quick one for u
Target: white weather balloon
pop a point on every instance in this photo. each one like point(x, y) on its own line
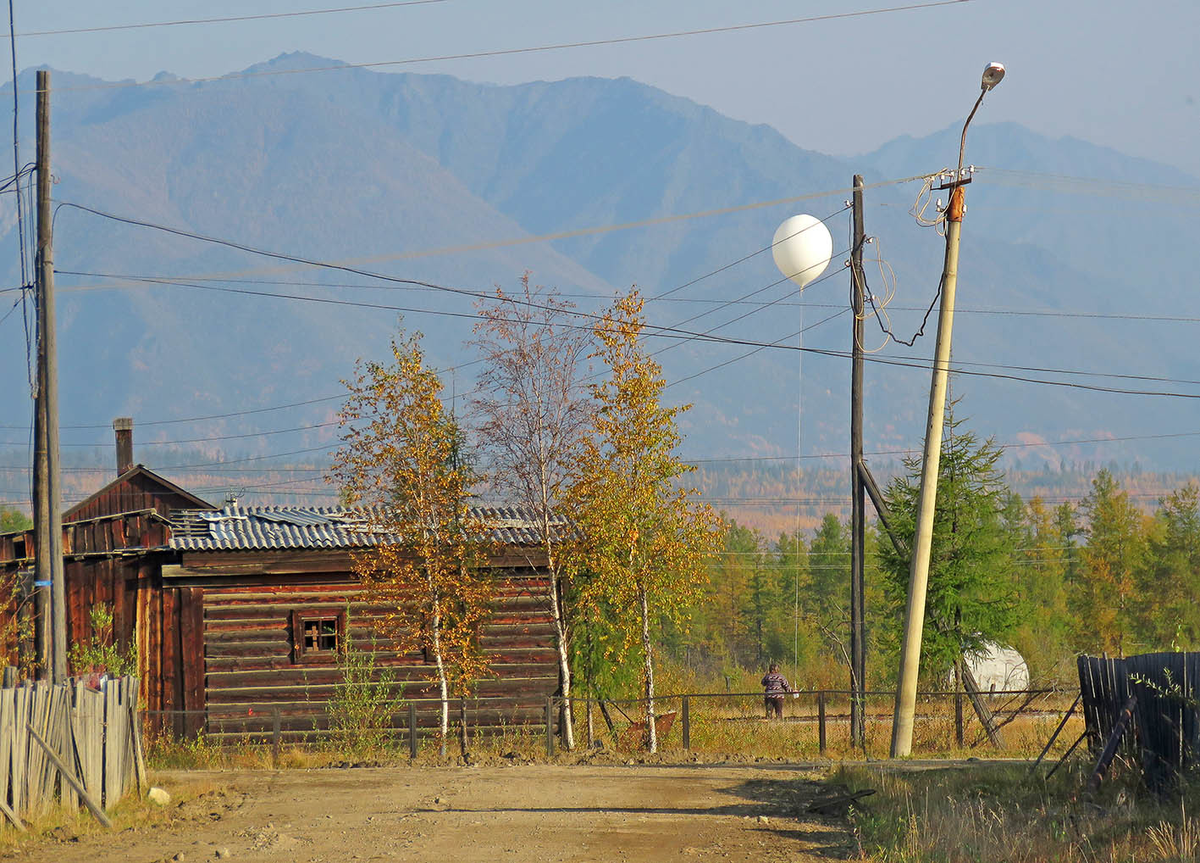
point(802, 248)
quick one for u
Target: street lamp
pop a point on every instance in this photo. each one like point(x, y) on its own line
point(918, 575)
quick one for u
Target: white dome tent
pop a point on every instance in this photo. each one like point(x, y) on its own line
point(997, 669)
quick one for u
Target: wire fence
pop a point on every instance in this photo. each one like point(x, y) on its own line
point(806, 725)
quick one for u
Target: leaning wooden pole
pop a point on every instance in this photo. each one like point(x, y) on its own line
point(48, 536)
point(858, 504)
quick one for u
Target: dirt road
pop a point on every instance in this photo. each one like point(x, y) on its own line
point(535, 813)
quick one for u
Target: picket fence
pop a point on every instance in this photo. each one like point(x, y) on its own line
point(90, 727)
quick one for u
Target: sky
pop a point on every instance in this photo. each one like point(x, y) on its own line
point(1121, 75)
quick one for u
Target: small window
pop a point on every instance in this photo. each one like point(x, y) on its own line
point(317, 636)
point(18, 548)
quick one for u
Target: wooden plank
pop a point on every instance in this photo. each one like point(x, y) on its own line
point(135, 733)
point(172, 672)
point(154, 677)
point(31, 803)
point(12, 816)
point(57, 739)
point(70, 747)
point(69, 776)
point(20, 717)
point(192, 655)
point(8, 730)
point(114, 740)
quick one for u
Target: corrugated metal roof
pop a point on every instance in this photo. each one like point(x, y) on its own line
point(282, 528)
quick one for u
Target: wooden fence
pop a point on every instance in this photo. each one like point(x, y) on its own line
point(66, 744)
point(1161, 693)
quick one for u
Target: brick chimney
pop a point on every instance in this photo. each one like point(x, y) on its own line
point(123, 426)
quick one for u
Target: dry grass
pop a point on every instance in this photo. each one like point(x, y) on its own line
point(1001, 813)
point(721, 726)
point(736, 725)
point(133, 812)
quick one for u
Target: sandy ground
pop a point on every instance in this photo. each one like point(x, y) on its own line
point(536, 813)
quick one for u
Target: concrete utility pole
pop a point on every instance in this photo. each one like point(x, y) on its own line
point(48, 538)
point(918, 577)
point(858, 655)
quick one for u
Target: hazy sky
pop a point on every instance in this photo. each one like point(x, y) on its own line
point(1119, 74)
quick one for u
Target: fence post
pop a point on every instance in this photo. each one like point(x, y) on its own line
point(276, 733)
point(821, 721)
point(687, 725)
point(412, 730)
point(550, 726)
point(958, 718)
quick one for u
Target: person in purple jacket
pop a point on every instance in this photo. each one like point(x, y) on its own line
point(775, 686)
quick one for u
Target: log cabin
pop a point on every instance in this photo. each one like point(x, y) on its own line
point(241, 612)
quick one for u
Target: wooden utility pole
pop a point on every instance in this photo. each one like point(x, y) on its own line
point(858, 654)
point(904, 714)
point(48, 536)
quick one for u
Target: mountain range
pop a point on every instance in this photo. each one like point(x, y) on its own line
point(1074, 257)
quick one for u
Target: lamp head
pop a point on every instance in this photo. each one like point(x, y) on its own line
point(993, 73)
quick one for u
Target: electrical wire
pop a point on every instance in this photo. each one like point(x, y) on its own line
point(755, 351)
point(658, 331)
point(754, 311)
point(958, 310)
point(211, 438)
point(745, 258)
point(561, 46)
point(16, 178)
point(4, 318)
point(573, 233)
point(188, 21)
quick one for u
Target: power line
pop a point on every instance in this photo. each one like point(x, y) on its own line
point(748, 354)
point(659, 331)
point(17, 150)
point(206, 439)
point(188, 21)
point(1046, 313)
point(560, 46)
point(745, 258)
point(656, 330)
point(558, 235)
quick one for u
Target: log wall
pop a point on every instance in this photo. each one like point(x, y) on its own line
point(250, 668)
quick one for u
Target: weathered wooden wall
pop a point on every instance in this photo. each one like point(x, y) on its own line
point(137, 490)
point(249, 670)
point(105, 560)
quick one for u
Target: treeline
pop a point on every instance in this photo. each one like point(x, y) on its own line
point(1051, 580)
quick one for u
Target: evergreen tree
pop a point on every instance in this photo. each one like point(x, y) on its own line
point(970, 598)
point(1105, 590)
point(1041, 574)
point(1171, 617)
point(828, 600)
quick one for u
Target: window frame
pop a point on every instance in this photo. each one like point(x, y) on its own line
point(300, 617)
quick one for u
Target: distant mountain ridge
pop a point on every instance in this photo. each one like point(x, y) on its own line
point(386, 168)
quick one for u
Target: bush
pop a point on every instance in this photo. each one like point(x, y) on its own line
point(99, 653)
point(364, 703)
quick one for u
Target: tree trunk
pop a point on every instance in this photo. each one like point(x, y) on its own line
point(651, 731)
point(442, 685)
point(564, 658)
point(462, 730)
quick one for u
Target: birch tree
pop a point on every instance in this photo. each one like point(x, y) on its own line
point(644, 535)
point(533, 411)
point(400, 454)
